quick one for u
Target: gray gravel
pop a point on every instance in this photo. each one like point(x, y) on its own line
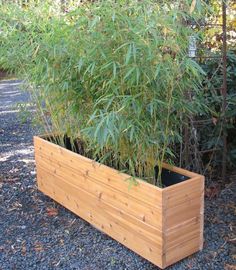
point(37, 233)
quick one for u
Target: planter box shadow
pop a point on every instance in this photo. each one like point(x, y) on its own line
point(162, 225)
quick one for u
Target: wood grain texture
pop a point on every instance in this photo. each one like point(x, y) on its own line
point(139, 209)
point(150, 194)
point(161, 225)
point(183, 219)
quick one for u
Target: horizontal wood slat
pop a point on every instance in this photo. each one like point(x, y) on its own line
point(105, 218)
point(185, 193)
point(140, 210)
point(181, 234)
point(182, 250)
point(181, 213)
point(150, 194)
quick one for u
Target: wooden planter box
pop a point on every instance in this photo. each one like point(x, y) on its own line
point(3, 74)
point(162, 225)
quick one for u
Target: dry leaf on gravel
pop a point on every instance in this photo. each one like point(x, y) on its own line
point(38, 247)
point(212, 192)
point(23, 250)
point(52, 212)
point(230, 267)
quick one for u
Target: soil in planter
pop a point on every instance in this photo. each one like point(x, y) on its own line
point(168, 178)
point(5, 75)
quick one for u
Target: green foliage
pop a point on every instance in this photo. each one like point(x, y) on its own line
point(115, 74)
point(211, 133)
point(212, 37)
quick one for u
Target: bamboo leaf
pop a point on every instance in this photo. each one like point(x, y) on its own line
point(193, 5)
point(128, 55)
point(130, 71)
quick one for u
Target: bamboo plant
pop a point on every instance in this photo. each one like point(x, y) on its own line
point(113, 74)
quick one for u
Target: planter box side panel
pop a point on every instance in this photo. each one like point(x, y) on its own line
point(100, 195)
point(150, 194)
point(183, 219)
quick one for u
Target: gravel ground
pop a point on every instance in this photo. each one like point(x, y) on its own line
point(37, 233)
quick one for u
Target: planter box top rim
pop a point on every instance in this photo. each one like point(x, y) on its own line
point(192, 176)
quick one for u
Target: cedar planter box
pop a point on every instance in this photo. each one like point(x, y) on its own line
point(3, 74)
point(162, 225)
